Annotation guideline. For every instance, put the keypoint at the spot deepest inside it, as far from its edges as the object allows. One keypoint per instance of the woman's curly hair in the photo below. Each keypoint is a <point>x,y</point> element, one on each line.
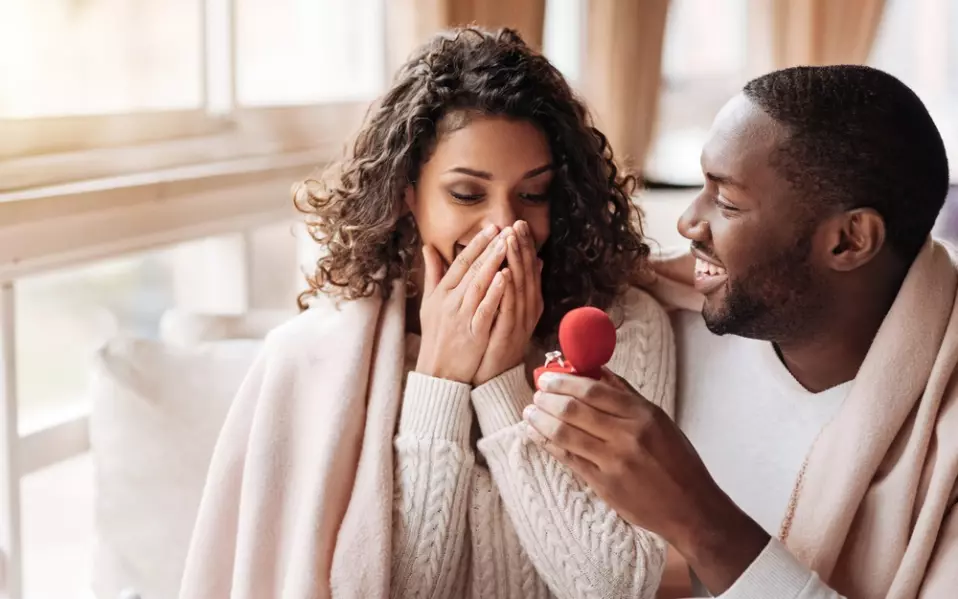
<point>355,212</point>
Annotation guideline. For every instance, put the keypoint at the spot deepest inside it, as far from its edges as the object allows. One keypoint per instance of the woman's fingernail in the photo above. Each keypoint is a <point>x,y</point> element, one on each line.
<point>527,413</point>
<point>490,230</point>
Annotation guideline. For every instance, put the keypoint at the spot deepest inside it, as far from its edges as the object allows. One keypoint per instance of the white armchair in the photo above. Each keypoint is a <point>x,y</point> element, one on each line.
<point>157,410</point>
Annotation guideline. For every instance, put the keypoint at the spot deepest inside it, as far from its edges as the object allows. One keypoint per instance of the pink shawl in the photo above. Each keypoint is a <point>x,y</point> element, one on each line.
<point>298,498</point>
<point>875,509</point>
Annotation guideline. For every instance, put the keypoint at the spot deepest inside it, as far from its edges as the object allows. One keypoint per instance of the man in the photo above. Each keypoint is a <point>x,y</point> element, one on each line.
<point>815,453</point>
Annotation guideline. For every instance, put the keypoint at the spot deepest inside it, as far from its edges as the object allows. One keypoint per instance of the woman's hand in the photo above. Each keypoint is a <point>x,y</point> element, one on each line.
<point>458,309</point>
<point>520,309</point>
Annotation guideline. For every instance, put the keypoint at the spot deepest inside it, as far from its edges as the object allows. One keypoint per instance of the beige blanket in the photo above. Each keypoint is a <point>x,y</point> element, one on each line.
<point>299,495</point>
<point>875,513</point>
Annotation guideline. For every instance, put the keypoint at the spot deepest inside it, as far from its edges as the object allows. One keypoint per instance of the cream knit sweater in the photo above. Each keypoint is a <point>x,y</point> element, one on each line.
<point>524,526</point>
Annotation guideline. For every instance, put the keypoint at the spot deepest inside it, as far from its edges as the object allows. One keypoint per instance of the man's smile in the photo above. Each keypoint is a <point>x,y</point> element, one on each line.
<point>709,274</point>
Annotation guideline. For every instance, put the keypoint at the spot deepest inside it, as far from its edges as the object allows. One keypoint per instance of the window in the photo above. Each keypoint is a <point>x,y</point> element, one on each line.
<point>704,62</point>
<point>61,58</point>
<point>563,36</point>
<point>307,51</point>
<point>212,79</point>
<point>63,316</point>
<point>147,148</point>
<point>689,56</point>
<point>58,530</point>
<point>917,43</point>
<point>64,85</point>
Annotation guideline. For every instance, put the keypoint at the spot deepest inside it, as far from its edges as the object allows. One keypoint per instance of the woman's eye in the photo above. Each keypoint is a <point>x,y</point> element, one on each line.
<point>466,197</point>
<point>535,198</point>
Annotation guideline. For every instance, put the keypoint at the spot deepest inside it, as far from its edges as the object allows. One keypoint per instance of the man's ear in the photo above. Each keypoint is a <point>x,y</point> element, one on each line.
<point>854,238</point>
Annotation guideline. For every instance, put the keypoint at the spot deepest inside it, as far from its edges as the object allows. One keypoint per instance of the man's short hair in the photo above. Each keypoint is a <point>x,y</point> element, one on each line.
<point>858,138</point>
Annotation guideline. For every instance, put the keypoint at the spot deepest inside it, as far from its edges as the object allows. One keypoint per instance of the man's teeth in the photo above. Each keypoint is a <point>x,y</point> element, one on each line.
<point>707,268</point>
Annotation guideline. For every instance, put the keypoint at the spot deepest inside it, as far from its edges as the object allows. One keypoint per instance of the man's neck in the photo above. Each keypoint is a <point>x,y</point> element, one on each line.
<point>821,366</point>
<point>834,352</point>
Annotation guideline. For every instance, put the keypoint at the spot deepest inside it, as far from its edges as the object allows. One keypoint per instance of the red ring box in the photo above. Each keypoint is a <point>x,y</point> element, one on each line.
<point>563,369</point>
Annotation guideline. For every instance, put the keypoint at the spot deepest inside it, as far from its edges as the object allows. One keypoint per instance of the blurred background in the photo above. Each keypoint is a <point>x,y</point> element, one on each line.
<point>147,236</point>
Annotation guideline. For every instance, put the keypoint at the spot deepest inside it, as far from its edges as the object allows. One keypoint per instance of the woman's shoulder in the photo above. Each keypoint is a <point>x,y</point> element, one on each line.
<point>299,329</point>
<point>637,308</point>
<point>324,327</point>
<point>643,326</point>
<point>645,348</point>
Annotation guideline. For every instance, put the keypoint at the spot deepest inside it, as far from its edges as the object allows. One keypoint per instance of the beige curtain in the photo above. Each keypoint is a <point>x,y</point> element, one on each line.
<point>622,72</point>
<point>820,32</point>
<point>412,22</point>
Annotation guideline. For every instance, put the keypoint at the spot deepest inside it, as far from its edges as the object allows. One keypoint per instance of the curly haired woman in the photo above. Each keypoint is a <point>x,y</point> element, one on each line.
<point>377,447</point>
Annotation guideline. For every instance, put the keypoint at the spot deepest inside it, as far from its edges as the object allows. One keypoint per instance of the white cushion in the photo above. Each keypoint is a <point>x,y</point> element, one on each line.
<point>189,328</point>
<point>157,411</point>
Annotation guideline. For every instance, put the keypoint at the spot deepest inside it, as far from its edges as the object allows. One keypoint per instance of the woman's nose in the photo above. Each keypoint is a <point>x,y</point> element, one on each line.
<point>501,213</point>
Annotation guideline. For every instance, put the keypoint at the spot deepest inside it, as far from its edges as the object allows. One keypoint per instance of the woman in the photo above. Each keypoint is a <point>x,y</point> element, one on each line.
<point>476,208</point>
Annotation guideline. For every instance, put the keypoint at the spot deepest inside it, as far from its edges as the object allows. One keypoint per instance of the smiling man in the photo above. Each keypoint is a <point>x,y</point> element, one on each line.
<point>815,453</point>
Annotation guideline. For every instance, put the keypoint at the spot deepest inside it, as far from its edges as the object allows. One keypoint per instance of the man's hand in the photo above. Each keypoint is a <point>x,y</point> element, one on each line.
<point>638,461</point>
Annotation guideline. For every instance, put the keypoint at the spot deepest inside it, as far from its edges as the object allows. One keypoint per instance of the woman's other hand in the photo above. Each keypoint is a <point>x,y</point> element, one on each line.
<point>520,309</point>
<point>459,307</point>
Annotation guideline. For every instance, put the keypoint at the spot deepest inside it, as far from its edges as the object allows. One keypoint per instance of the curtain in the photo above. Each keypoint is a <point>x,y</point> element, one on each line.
<point>411,22</point>
<point>622,73</point>
<point>820,32</point>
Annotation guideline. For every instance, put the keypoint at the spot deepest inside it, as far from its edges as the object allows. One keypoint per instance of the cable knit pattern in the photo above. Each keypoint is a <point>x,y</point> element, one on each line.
<point>532,527</point>
<point>433,470</point>
<point>500,566</point>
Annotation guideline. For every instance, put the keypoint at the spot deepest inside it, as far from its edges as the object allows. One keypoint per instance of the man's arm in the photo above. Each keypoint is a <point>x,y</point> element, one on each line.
<point>636,459</point>
<point>776,573</point>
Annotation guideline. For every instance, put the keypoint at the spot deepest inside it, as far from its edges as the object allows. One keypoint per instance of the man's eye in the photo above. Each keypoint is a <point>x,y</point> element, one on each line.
<point>723,206</point>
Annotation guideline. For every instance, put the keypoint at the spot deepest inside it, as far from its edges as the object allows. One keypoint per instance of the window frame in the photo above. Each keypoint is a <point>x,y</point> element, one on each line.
<point>80,189</point>
<point>51,150</point>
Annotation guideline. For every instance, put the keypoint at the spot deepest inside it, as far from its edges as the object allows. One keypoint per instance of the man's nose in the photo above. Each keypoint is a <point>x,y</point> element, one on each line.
<point>692,225</point>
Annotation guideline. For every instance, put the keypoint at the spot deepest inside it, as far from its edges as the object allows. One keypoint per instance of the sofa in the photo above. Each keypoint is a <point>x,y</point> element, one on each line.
<point>157,408</point>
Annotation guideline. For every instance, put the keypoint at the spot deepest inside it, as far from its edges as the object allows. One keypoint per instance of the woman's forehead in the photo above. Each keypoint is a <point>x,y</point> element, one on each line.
<point>495,145</point>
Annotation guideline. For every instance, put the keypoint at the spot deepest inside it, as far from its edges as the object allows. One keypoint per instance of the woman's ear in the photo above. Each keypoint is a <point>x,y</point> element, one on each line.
<point>409,200</point>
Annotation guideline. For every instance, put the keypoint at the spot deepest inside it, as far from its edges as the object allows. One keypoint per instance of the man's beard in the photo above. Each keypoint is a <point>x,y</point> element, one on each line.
<point>772,301</point>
